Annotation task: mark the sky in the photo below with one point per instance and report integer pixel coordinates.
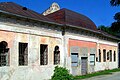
(99, 11)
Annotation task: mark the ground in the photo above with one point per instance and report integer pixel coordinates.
(113, 76)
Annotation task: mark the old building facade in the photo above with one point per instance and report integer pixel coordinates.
(31, 44)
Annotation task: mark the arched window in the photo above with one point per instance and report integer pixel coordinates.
(114, 56)
(56, 55)
(3, 53)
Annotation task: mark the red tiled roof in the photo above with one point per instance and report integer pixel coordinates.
(22, 11)
(66, 16)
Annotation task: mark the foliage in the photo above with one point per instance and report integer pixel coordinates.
(61, 73)
(103, 28)
(115, 27)
(106, 29)
(117, 17)
(105, 72)
(115, 2)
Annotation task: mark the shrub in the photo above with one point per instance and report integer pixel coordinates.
(61, 73)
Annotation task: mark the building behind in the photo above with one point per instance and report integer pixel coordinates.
(31, 44)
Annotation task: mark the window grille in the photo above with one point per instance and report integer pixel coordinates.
(4, 54)
(56, 55)
(43, 54)
(23, 54)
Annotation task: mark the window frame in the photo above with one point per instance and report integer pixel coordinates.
(23, 54)
(72, 61)
(110, 55)
(4, 54)
(99, 55)
(114, 56)
(92, 62)
(104, 55)
(43, 55)
(56, 55)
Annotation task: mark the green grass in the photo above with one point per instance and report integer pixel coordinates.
(105, 72)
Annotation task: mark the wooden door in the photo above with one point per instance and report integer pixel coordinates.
(83, 65)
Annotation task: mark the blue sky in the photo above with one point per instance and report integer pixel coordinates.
(99, 11)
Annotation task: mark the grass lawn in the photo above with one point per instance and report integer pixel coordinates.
(105, 72)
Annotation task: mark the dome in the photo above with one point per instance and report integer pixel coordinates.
(65, 16)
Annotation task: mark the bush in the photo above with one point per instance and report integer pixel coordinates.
(61, 73)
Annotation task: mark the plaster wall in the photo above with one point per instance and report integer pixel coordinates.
(78, 40)
(108, 64)
(13, 34)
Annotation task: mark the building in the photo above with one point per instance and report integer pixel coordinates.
(31, 44)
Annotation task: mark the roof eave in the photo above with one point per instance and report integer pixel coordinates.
(30, 18)
(92, 31)
(54, 23)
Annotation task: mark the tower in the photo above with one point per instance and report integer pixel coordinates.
(54, 7)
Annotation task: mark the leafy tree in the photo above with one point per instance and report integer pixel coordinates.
(103, 28)
(117, 17)
(115, 27)
(115, 2)
(106, 29)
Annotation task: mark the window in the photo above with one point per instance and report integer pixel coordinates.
(99, 55)
(43, 54)
(4, 59)
(92, 59)
(104, 55)
(23, 54)
(74, 59)
(114, 56)
(56, 55)
(110, 55)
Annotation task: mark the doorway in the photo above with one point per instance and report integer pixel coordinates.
(84, 65)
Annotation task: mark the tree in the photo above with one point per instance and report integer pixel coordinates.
(115, 2)
(115, 27)
(117, 17)
(106, 29)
